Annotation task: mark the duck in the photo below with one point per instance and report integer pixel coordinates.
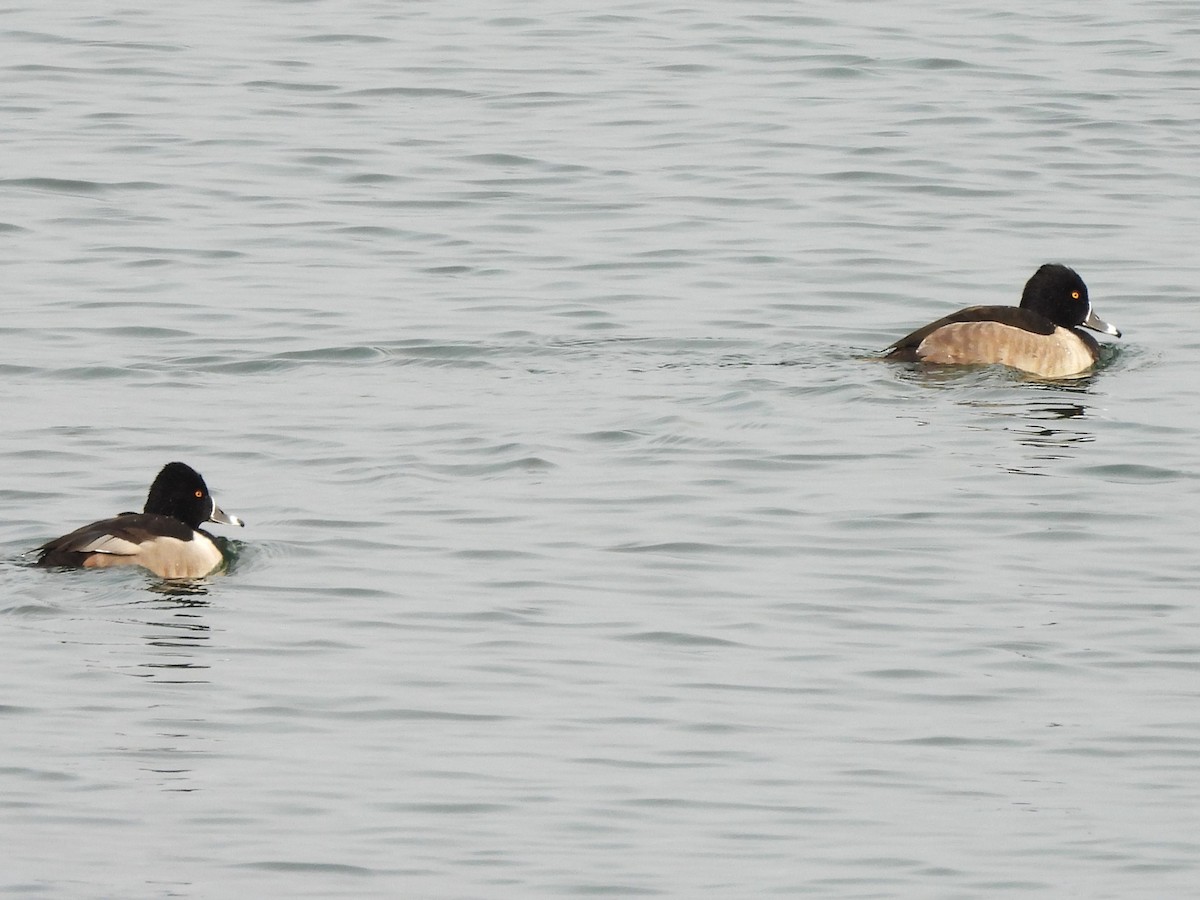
(1042, 336)
(165, 537)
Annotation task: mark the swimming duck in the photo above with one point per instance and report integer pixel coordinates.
(165, 538)
(1041, 336)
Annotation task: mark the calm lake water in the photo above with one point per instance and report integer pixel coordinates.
(588, 550)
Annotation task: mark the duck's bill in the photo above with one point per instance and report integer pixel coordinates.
(1096, 323)
(223, 518)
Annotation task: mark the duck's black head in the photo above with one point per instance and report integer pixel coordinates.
(181, 493)
(1058, 293)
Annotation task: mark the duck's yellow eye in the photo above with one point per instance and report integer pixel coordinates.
(199, 494)
(1074, 296)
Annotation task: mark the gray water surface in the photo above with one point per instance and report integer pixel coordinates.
(589, 551)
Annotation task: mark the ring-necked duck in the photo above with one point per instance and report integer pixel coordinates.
(1041, 336)
(166, 538)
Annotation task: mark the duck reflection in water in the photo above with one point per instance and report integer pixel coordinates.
(1039, 432)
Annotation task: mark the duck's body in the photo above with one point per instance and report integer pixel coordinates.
(166, 538)
(1041, 336)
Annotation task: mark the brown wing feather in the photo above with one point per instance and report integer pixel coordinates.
(905, 349)
(133, 528)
